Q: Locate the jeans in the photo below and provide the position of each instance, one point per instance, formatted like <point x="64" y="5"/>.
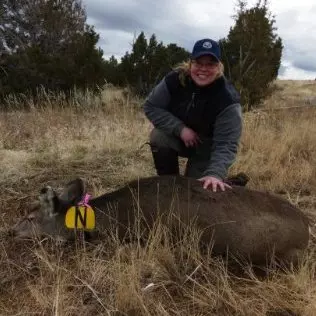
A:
<point x="198" y="157"/>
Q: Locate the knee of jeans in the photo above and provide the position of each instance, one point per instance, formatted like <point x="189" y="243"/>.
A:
<point x="195" y="169"/>
<point x="154" y="138"/>
<point x="159" y="139"/>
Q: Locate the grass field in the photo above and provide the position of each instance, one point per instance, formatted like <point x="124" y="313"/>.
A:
<point x="102" y="141"/>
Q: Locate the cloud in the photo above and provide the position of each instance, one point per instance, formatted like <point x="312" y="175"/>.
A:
<point x="292" y="72"/>
<point x="115" y="43"/>
<point x="308" y="65"/>
<point x="296" y="28"/>
<point x="183" y="23"/>
<point x="132" y="16"/>
<point x="282" y="70"/>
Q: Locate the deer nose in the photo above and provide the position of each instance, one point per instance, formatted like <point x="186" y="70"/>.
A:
<point x="44" y="190"/>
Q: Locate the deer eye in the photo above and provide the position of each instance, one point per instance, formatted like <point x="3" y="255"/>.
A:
<point x="30" y="218"/>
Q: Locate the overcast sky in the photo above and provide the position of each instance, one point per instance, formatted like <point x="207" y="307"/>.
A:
<point x="180" y="22"/>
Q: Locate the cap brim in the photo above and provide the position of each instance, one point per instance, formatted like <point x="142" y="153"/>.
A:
<point x="200" y="54"/>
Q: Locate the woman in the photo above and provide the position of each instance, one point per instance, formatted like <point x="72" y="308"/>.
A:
<point x="196" y="114"/>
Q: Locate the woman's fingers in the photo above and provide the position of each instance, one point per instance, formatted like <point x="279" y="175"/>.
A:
<point x="214" y="183"/>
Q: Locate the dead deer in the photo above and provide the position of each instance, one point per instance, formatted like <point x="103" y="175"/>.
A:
<point x="238" y="221"/>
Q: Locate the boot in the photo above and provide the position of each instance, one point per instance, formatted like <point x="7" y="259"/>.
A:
<point x="165" y="161"/>
<point x="239" y="179"/>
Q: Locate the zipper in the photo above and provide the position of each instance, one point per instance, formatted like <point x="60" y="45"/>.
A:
<point x="191" y="104"/>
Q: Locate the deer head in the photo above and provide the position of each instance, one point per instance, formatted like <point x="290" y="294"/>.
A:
<point x="48" y="215"/>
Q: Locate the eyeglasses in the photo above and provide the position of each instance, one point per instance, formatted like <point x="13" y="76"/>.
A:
<point x="209" y="65"/>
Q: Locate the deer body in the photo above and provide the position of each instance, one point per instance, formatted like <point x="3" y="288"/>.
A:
<point x="245" y="222"/>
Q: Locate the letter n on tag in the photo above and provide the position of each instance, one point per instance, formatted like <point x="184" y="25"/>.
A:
<point x="80" y="217"/>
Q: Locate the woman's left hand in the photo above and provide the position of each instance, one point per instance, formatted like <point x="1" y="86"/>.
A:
<point x="214" y="183"/>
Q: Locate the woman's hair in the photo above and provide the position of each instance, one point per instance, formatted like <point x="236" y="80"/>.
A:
<point x="184" y="70"/>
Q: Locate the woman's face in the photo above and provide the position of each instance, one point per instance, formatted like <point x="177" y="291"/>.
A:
<point x="204" y="70"/>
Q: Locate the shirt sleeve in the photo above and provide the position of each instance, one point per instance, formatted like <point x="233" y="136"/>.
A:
<point x="226" y="137"/>
<point x="156" y="109"/>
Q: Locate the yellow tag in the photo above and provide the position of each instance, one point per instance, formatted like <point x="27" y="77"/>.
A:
<point x="80" y="217"/>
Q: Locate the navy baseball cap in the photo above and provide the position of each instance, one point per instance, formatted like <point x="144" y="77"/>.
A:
<point x="204" y="47"/>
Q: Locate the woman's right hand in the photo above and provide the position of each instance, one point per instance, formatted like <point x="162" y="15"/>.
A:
<point x="189" y="137"/>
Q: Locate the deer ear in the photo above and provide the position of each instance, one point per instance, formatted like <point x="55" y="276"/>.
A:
<point x="73" y="192"/>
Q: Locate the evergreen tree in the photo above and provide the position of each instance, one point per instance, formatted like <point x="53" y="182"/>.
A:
<point x="146" y="64"/>
<point x="140" y="63"/>
<point x="48" y="43"/>
<point x="252" y="52"/>
<point x="112" y="72"/>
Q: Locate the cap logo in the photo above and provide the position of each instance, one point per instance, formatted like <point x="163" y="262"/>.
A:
<point x="207" y="45"/>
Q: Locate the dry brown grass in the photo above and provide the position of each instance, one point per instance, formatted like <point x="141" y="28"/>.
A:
<point x="102" y="142"/>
